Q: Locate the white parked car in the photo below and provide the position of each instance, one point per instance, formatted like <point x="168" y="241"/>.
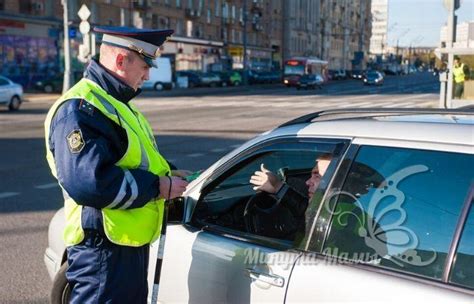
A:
<point x="391" y="220"/>
<point x="11" y="94"/>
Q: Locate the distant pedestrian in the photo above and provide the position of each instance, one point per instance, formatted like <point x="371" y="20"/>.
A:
<point x="460" y="71"/>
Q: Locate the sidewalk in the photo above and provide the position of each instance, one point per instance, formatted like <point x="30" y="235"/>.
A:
<point x="40" y="97"/>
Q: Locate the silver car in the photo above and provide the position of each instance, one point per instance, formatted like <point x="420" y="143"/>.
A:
<point x="391" y="220"/>
<point x="11" y="93"/>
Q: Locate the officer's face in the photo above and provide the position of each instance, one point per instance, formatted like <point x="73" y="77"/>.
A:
<point x="316" y="174"/>
<point x="135" y="71"/>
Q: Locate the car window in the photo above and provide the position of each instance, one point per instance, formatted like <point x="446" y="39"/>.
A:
<point x="3" y="81"/>
<point x="399" y="208"/>
<point x="462" y="272"/>
<point x="224" y="201"/>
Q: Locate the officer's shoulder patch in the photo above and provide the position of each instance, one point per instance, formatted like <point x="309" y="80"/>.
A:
<point x="84" y="106"/>
<point x="75" y="141"/>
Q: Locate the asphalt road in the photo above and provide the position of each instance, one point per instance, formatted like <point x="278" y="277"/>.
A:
<point x="194" y="128"/>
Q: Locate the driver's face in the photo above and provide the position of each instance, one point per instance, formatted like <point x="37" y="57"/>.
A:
<point x="316" y="174"/>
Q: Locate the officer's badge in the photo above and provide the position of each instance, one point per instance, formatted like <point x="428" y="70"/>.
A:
<point x="75" y="141"/>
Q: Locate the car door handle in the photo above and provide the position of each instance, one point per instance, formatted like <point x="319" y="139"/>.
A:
<point x="271" y="279"/>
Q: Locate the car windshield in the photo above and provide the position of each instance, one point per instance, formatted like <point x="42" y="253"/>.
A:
<point x="373" y="75"/>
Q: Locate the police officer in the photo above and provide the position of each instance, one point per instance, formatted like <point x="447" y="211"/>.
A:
<point x="114" y="180"/>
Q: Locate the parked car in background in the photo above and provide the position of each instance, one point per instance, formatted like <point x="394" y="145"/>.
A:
<point x="310" y="81"/>
<point x="269" y="77"/>
<point x="357" y="74"/>
<point x="373" y="78"/>
<point x="160" y="77"/>
<point x="235" y="78"/>
<point x="210" y="79"/>
<point x="11" y="94"/>
<point x="194" y="78"/>
<point x="390" y="72"/>
<point x="54" y="83"/>
<point x="230" y="78"/>
<point x="50" y="85"/>
<point x="391" y="219"/>
<point x="340" y="75"/>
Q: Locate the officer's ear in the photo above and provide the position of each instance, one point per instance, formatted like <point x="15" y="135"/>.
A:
<point x="120" y="61"/>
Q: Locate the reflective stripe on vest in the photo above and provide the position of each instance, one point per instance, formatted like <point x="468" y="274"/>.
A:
<point x="129" y="227"/>
<point x="458" y="73"/>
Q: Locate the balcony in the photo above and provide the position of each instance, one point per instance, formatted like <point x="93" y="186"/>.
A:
<point x="192" y="13"/>
<point x="140" y="4"/>
<point x="257" y="27"/>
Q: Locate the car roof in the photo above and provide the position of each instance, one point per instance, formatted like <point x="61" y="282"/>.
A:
<point x="425" y="125"/>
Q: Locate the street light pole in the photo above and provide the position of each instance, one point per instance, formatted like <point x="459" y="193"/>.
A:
<point x="449" y="44"/>
<point x="67" y="51"/>
<point x="245" y="78"/>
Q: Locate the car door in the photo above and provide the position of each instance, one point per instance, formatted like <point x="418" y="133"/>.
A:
<point x="213" y="258"/>
<point x="4" y="90"/>
<point x="390" y="228"/>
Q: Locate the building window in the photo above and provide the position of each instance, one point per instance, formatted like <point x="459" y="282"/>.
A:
<point x="2" y="5"/>
<point x="189" y="28"/>
<point x="178" y="3"/>
<point x="218" y="7"/>
<point x="28" y="7"/>
<point x="179" y="27"/>
<point x="225" y="10"/>
<point x="154" y="21"/>
<point x="209" y="14"/>
<point x="190" y="3"/>
<point x="233" y="12"/>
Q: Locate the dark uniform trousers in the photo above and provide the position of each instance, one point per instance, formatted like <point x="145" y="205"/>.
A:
<point x="103" y="272"/>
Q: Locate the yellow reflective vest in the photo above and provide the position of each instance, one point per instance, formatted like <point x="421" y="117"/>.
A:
<point x="128" y="227"/>
<point x="458" y="73"/>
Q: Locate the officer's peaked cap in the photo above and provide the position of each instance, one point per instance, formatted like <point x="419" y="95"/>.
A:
<point x="145" y="42"/>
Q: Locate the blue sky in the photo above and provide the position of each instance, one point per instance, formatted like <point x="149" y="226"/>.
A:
<point x="418" y="22"/>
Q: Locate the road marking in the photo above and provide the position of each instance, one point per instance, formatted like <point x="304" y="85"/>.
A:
<point x="8" y="194"/>
<point x="195" y="155"/>
<point x="218" y="150"/>
<point x="47" y="186"/>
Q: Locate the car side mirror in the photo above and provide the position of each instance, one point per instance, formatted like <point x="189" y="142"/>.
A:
<point x="176" y="210"/>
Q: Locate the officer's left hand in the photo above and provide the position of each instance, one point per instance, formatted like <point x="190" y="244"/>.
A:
<point x="181" y="173"/>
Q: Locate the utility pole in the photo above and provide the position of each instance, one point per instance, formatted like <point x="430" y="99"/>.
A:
<point x="449" y="44"/>
<point x="245" y="79"/>
<point x="67" y="51"/>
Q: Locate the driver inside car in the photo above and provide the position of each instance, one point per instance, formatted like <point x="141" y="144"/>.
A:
<point x="288" y="198"/>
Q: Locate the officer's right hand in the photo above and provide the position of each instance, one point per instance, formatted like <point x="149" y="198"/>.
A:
<point x="178" y="186"/>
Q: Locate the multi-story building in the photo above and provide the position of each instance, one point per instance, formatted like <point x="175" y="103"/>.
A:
<point x="301" y="28"/>
<point x="464" y="35"/>
<point x="378" y="40"/>
<point x="209" y="34"/>
<point x="29" y="39"/>
<point x="345" y="33"/>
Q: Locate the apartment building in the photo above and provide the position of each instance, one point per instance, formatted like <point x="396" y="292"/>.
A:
<point x="378" y="40"/>
<point x="29" y="36"/>
<point x="345" y="33"/>
<point x="209" y="34"/>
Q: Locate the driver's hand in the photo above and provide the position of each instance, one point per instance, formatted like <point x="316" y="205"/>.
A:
<point x="265" y="180"/>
